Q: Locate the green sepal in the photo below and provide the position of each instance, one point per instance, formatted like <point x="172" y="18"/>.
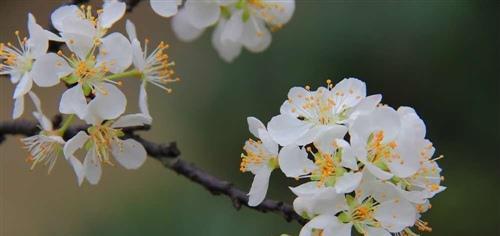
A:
<point x="246" y="15"/>
<point x="70" y="79"/>
<point x="359" y="228"/>
<point x="86" y="90"/>
<point x="344" y="217"/>
<point x="225" y="12"/>
<point x="382" y="165"/>
<point x="273" y="163"/>
<point x="240" y="4"/>
<point x="351" y="202"/>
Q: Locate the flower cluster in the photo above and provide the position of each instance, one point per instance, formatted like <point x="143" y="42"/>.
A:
<point x="378" y="180"/>
<point x="93" y="71"/>
<point x="238" y="23"/>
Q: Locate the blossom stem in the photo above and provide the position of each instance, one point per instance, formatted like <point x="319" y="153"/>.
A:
<point x="66" y="123"/>
<point x="131" y="73"/>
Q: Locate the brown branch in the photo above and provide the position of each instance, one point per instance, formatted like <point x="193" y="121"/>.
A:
<point x="168" y="154"/>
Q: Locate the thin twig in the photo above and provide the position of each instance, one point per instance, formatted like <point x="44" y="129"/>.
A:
<point x="168" y="154"/>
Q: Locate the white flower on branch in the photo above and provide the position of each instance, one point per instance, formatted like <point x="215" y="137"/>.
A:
<point x="155" y="68"/>
<point x="379" y="183"/>
<point x="102" y="139"/>
<point x="47" y="146"/>
<point x="260" y="158"/>
<point x="306" y="114"/>
<point x="337" y="215"/>
<point x="239" y="23"/>
<point x="22" y="64"/>
<point x="81" y="30"/>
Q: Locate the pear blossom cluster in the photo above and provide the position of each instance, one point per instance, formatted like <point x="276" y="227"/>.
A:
<point x="363" y="165"/>
<point x="238" y="23"/>
<point x="92" y="69"/>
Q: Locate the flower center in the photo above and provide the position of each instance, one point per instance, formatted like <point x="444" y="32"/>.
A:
<point x="102" y="136"/>
<point x="267" y="11"/>
<point x="158" y="69"/>
<point x="378" y="151"/>
<point x="15" y="59"/>
<point x="256" y="155"/>
<point x="326" y="168"/>
<point x="42" y="149"/>
<point x="84" y="70"/>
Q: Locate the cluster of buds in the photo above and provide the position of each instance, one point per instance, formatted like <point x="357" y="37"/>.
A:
<point x="92" y="72"/>
<point x="368" y="166"/>
<point x="238" y="23"/>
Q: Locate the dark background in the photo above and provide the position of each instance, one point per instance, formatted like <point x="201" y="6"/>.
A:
<point x="440" y="57"/>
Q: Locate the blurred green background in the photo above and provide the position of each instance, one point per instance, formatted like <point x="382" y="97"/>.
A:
<point x="441" y="57"/>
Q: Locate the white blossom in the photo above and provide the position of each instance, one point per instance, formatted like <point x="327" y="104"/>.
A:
<point x="102" y="139"/>
<point x="306" y="114"/>
<point x="380" y="182"/>
<point x="238" y="24"/>
<point x="260" y="158"/>
<point x="47" y="145"/>
<point x="155" y="68"/>
<point x="22" y="63"/>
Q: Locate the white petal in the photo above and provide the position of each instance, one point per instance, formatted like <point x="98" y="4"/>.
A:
<point x="348" y="182"/>
<point x="311" y="135"/>
<point x="115" y="52"/>
<point x="353" y="89"/>
<point x="254" y="125"/>
<point x="411" y="124"/>
<point x="319" y="222"/>
<point x="38" y="41"/>
<point x="324" y="201"/>
<point x="281" y="12"/>
<point x="383" y="119"/>
<point x="112" y="11"/>
<point x="18" y="107"/>
<point x="255" y="37"/>
<point x="202" y="14"/>
<point x="293" y="161"/>
<point x="270" y="145"/>
<point x="365" y="106"/>
<point x="409" y="161"/>
<point x="131" y="120"/>
<point x="79" y="44"/>
<point x="165" y="8"/>
<point x="73" y="102"/>
<point x="131" y="31"/>
<point x="24" y="86"/>
<point x="233" y="28"/>
<point x="339" y="229"/>
<point x="227" y="50"/>
<point x="307" y="189"/>
<point x="106" y="106"/>
<point x="75" y="143"/>
<point x="286" y="129"/>
<point x="259" y="187"/>
<point x="395" y="215"/>
<point x="48" y="69"/>
<point x="59" y="15"/>
<point x="92" y="167"/>
<point x="40" y="117"/>
<point x="377" y="172"/>
<point x="143" y="101"/>
<point x="78" y="168"/>
<point x="138" y="55"/>
<point x="347" y="158"/>
<point x="372" y="231"/>
<point x="53" y="37"/>
<point x="129" y="153"/>
<point x="326" y="141"/>
<point x="183" y="28"/>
